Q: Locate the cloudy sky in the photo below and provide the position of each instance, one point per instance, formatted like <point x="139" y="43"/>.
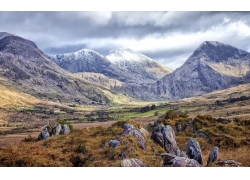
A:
<point x="167" y="37"/>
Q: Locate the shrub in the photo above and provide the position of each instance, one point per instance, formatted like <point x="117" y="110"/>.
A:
<point x="171" y="115"/>
<point x="156" y="113"/>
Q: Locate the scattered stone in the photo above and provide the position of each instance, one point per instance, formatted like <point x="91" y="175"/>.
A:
<point x="113" y="143"/>
<point x="155" y="123"/>
<point x="65" y="129"/>
<point x="132" y="163"/>
<point x="56" y="130"/>
<point x="169" y="141"/>
<point x="158" y="138"/>
<point x="193" y="150"/>
<point x="213" y="155"/>
<point x="167" y="158"/>
<point x="129" y="129"/>
<point x="228" y="163"/>
<point x="185" y="162"/>
<point x="44" y="134"/>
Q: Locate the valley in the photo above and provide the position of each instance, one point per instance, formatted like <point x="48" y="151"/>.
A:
<point x="207" y="98"/>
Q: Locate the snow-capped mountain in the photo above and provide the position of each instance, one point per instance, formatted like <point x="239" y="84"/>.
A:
<point x="86" y="60"/>
<point x="144" y="68"/>
<point x="212" y="66"/>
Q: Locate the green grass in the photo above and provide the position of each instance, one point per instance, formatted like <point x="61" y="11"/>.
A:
<point x="128" y="115"/>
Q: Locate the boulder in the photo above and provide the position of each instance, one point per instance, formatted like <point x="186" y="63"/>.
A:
<point x="213" y="155"/>
<point x="65" y="129"/>
<point x="130" y="129"/>
<point x="44" y="134"/>
<point x="193" y="150"/>
<point x="56" y="130"/>
<point x="113" y="143"/>
<point x="167" y="158"/>
<point x="158" y="138"/>
<point x="132" y="163"/>
<point x="228" y="163"/>
<point x="169" y="141"/>
<point x="185" y="162"/>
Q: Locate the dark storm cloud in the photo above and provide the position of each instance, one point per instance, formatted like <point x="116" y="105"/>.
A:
<point x="62" y="32"/>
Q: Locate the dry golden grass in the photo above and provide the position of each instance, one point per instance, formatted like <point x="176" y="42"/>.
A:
<point x="79" y="148"/>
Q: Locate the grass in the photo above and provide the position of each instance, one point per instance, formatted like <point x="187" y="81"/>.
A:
<point x="79" y="148"/>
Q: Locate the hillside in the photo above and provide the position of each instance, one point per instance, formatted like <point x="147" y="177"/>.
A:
<point x="212" y="66"/>
<point x="27" y="69"/>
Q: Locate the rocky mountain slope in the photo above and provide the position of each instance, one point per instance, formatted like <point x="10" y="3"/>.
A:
<point x="145" y="69"/>
<point x="212" y="66"/>
<point x="28" y="69"/>
<point x="87" y="60"/>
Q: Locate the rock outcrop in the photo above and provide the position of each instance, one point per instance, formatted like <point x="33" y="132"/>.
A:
<point x="193" y="150"/>
<point x="165" y="136"/>
<point x="65" y="129"/>
<point x="130" y="129"/>
<point x="213" y="155"/>
<point x="57" y="129"/>
<point x="44" y="134"/>
<point x="185" y="162"/>
<point x="113" y="143"/>
<point x="132" y="163"/>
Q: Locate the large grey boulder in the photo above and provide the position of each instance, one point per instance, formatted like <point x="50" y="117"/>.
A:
<point x="65" y="129"/>
<point x="113" y="143"/>
<point x="130" y="129"/>
<point x="213" y="155"/>
<point x="185" y="162"/>
<point x="132" y="163"/>
<point x="44" y="134"/>
<point x="170" y="144"/>
<point x="57" y="129"/>
<point x="193" y="150"/>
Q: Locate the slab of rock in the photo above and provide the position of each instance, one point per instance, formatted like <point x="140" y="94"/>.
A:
<point x="132" y="163"/>
<point x="213" y="155"/>
<point x="170" y="144"/>
<point x="44" y="134"/>
<point x="113" y="143"/>
<point x="65" y="129"/>
<point x="158" y="138"/>
<point x="130" y="129"/>
<point x="193" y="150"/>
<point x="167" y="158"/>
<point x="228" y="163"/>
<point x="185" y="162"/>
<point x="56" y="130"/>
<point x="181" y="127"/>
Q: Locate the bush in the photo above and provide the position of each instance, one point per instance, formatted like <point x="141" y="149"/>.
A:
<point x="156" y="113"/>
<point x="171" y="115"/>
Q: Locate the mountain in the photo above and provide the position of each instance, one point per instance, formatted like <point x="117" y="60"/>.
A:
<point x="87" y="60"/>
<point x="212" y="66"/>
<point x="123" y="64"/>
<point x="26" y="68"/>
<point x="143" y="68"/>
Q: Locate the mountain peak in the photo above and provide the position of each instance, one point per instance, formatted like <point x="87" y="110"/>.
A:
<point x="5" y="34"/>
